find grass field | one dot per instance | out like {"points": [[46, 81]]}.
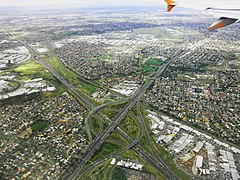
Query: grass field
{"points": [[148, 69], [162, 33], [29, 68], [32, 69], [88, 59], [154, 62], [131, 127], [115, 136], [103, 174], [118, 174], [105, 57], [39, 125], [88, 88], [95, 124], [105, 149], [109, 112], [143, 142]]}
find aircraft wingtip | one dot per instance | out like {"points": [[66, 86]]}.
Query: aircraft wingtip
{"points": [[210, 28], [170, 5]]}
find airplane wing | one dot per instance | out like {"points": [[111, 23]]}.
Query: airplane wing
{"points": [[227, 15]]}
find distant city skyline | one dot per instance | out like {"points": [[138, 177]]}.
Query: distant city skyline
{"points": [[200, 4]]}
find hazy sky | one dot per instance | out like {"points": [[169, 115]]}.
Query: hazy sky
{"points": [[199, 4]]}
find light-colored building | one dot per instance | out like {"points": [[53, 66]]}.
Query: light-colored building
{"points": [[198, 147], [199, 161], [113, 162]]}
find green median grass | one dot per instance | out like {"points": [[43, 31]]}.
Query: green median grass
{"points": [[62, 70]]}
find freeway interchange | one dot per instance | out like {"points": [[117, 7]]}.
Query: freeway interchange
{"points": [[79, 169], [95, 144]]}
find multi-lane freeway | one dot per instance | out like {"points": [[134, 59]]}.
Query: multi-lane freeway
{"points": [[112, 124]]}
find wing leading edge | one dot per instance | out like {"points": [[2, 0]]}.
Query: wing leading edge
{"points": [[221, 22]]}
